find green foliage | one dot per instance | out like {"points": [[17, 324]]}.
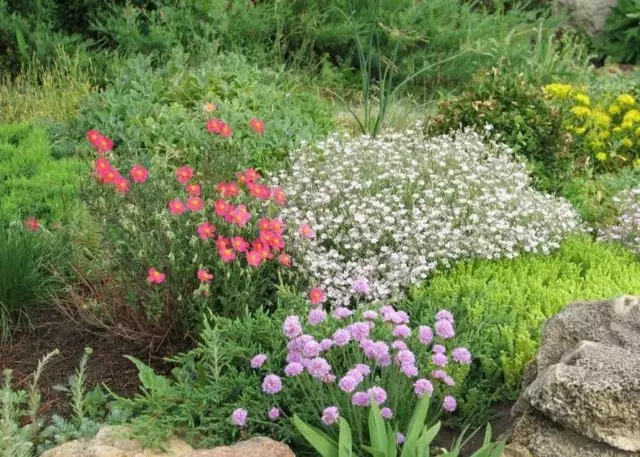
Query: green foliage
{"points": [[509, 107], [500, 307], [620, 38], [31, 182]]}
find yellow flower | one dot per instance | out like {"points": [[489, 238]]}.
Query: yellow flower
{"points": [[617, 129], [626, 125], [580, 130], [632, 116], [626, 99], [583, 99], [558, 91], [601, 156], [600, 118], [614, 109], [604, 135], [581, 111], [627, 142]]}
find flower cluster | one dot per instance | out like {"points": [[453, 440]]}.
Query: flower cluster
{"points": [[608, 129], [384, 212], [346, 361], [627, 228]]}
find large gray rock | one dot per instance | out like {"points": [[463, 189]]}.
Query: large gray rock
{"points": [[581, 394], [590, 15]]}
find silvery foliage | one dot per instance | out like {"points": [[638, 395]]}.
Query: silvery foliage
{"points": [[627, 228], [391, 209]]}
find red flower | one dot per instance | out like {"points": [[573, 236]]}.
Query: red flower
{"points": [[103, 144], [155, 277], [215, 125], [93, 136], [252, 175], [226, 131], [264, 224], [257, 125], [240, 216], [222, 242], [122, 184], [176, 207], [195, 203], [278, 195], [284, 260], [228, 190], [316, 296], [227, 254], [260, 191], [102, 166], [206, 230], [204, 275], [277, 226], [32, 224], [139, 174], [254, 258], [184, 174], [193, 189], [277, 243], [239, 244], [110, 176], [222, 208]]}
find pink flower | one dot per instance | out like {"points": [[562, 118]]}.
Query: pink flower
{"points": [[360, 399], [356, 375], [271, 384], [222, 208], [330, 415], [409, 370], [274, 414], [405, 356], [461, 355], [293, 369], [193, 189], [425, 335], [448, 380], [291, 327], [204, 275], [206, 230], [347, 384], [318, 368], [378, 394], [240, 216], [294, 356], [254, 258], [439, 359], [121, 184], [139, 174], [444, 329], [439, 374], [329, 378], [444, 315], [155, 277], [311, 349], [386, 413], [360, 286], [316, 316], [399, 345], [258, 360], [341, 337], [316, 296], [423, 386], [257, 125], [195, 203], [239, 244], [401, 331], [363, 369], [226, 254], [176, 207], [400, 317], [184, 174], [370, 315], [326, 344], [399, 438], [341, 312], [32, 224], [386, 309], [439, 349], [239, 417], [278, 196], [284, 260], [306, 232], [359, 330], [449, 404]]}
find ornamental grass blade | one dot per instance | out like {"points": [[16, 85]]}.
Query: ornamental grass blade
{"points": [[320, 441]]}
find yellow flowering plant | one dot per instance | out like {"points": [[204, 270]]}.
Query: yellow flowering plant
{"points": [[605, 127]]}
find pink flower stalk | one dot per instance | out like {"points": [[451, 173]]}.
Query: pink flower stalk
{"points": [[274, 414], [293, 369], [239, 417], [409, 370], [347, 384], [258, 360], [449, 404], [439, 359], [311, 349], [360, 399], [425, 335], [272, 384], [316, 316], [423, 386], [461, 355], [401, 331], [341, 337], [330, 415], [318, 368], [386, 413], [291, 327], [326, 344], [444, 315], [206, 230], [444, 329], [405, 357], [359, 330], [155, 277], [341, 312], [378, 394], [184, 174], [139, 174]]}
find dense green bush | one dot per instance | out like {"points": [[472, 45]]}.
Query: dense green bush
{"points": [[509, 107], [620, 39], [501, 306], [151, 112], [32, 182]]}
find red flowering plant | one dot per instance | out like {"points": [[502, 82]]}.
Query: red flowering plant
{"points": [[179, 245]]}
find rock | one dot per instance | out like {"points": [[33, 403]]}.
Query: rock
{"points": [[114, 442], [590, 15], [255, 447], [581, 394]]}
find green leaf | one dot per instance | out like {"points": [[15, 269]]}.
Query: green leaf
{"points": [[377, 430], [148, 377], [426, 438], [392, 447], [320, 441], [374, 452], [345, 445], [415, 426]]}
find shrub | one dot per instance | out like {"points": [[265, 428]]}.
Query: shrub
{"points": [[516, 113], [31, 182], [620, 38], [626, 229], [160, 112], [605, 127], [500, 307], [390, 210]]}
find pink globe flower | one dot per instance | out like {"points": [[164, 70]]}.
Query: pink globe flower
{"points": [[258, 360], [448, 380], [423, 386], [311, 349], [449, 404], [363, 369], [355, 374], [401, 331], [274, 414], [444, 329], [378, 394], [439, 349], [400, 317], [239, 417], [405, 357], [341, 312], [399, 345], [360, 286], [341, 337], [326, 344], [409, 370], [272, 384], [293, 369], [399, 438], [370, 315], [318, 368], [386, 413], [316, 316], [444, 315], [439, 374], [360, 399], [439, 359], [347, 384], [291, 327], [461, 355], [330, 415], [425, 335], [359, 330]]}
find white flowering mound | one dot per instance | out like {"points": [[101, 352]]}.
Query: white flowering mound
{"points": [[627, 227], [390, 209]]}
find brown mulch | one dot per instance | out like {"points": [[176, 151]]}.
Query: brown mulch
{"points": [[106, 366]]}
